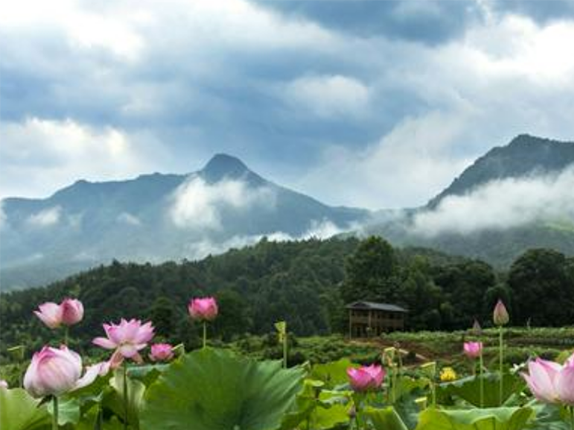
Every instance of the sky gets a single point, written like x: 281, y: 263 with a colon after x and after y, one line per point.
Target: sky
x: 368, y: 103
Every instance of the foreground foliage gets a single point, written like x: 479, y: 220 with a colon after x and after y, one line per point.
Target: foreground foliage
x: 213, y: 389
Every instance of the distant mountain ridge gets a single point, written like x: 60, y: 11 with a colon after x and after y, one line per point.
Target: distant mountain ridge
x: 152, y: 218
x: 157, y: 217
x: 525, y: 158
x: 524, y: 155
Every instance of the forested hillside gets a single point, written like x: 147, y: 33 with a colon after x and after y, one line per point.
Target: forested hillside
x: 306, y: 283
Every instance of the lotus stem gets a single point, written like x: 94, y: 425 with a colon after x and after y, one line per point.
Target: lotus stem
x: 500, y: 362
x: 66, y: 333
x: 204, y: 334
x: 571, y: 409
x: 285, y: 351
x: 55, y: 415
x: 481, y: 380
x: 125, y: 396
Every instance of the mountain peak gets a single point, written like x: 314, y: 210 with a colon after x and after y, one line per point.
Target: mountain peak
x: 524, y: 156
x: 224, y: 166
x: 523, y: 140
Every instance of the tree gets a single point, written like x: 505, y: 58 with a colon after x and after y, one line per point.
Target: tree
x: 543, y: 293
x: 371, y: 272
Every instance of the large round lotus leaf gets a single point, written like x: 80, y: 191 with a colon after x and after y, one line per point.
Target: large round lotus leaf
x: 474, y: 419
x: 214, y: 389
x: 19, y: 411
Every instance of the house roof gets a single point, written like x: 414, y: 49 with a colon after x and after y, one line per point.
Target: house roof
x: 377, y: 306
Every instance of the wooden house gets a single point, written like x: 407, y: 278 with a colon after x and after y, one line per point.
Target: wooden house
x: 369, y: 319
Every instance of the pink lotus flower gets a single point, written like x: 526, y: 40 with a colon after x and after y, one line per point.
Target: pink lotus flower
x: 500, y: 314
x: 161, y: 352
x: 69, y: 312
x: 72, y: 311
x: 472, y: 349
x: 366, y: 377
x: 203, y: 309
x: 56, y: 371
x: 3, y: 384
x: 551, y: 382
x: 127, y: 338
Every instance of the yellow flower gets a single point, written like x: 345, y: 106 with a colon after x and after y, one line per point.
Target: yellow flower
x: 447, y: 374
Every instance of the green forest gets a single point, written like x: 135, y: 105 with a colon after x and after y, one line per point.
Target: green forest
x: 306, y: 283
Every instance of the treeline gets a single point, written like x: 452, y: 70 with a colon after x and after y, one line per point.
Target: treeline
x: 306, y: 283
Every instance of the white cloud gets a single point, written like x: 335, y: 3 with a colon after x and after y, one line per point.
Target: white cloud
x: 116, y: 31
x: 331, y: 95
x: 129, y: 219
x: 46, y: 217
x: 320, y: 229
x: 198, y: 204
x: 504, y: 77
x: 503, y: 204
x: 40, y: 155
x: 409, y: 164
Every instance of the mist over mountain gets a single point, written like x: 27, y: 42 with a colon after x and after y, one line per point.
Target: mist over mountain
x: 157, y: 217
x: 513, y: 198
x: 524, y: 156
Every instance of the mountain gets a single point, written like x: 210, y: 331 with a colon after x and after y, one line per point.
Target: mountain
x: 513, y: 198
x: 524, y: 156
x: 154, y: 218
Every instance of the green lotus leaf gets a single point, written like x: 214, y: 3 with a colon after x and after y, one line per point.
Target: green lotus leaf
x: 550, y: 417
x: 333, y: 373
x: 19, y: 411
x: 469, y: 389
x: 213, y: 389
x: 475, y: 419
x: 385, y: 418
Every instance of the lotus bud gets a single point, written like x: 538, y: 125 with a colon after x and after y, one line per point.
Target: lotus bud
x: 161, y: 352
x: 472, y: 349
x: 72, y: 311
x: 50, y: 314
x: 3, y: 384
x: 203, y: 309
x: 500, y: 314
x: 56, y: 371
x: 476, y: 329
x: 366, y: 378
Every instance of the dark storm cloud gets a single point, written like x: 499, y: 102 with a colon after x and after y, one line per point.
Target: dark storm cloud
x: 287, y: 85
x: 425, y: 21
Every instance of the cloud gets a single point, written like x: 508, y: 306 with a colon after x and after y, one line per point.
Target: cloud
x: 328, y: 96
x: 503, y: 204
x: 44, y: 155
x: 129, y: 219
x: 539, y: 11
x: 408, y: 165
x: 199, y: 205
x: 289, y: 86
x: 423, y: 21
x: 46, y: 217
x: 319, y: 229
